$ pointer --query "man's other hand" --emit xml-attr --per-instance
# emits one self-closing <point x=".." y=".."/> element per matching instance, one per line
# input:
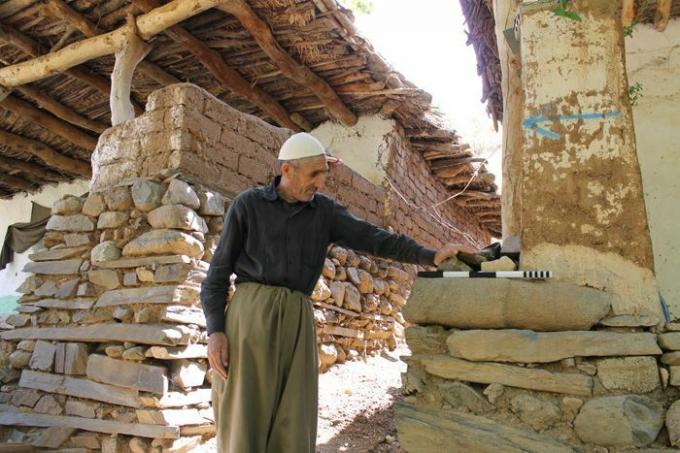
<point x="218" y="353"/>
<point x="449" y="251"/>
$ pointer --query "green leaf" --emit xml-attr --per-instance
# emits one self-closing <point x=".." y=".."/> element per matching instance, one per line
<point x="560" y="12"/>
<point x="573" y="16"/>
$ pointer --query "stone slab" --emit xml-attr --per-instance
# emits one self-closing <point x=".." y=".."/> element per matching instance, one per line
<point x="424" y="431"/>
<point x="57" y="254"/>
<point x="505" y="303"/>
<point x="79" y="387"/>
<point x="10" y="417"/>
<point x="512" y="376"/>
<point x="153" y="334"/>
<point x="123" y="373"/>
<point x="144" y="261"/>
<point x="526" y="346"/>
<point x="63" y="267"/>
<point x="170" y="294"/>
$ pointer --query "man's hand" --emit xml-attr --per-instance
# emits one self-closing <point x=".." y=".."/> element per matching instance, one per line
<point x="449" y="251"/>
<point x="218" y="353"/>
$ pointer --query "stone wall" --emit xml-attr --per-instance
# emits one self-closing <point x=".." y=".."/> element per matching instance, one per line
<point x="18" y="209"/>
<point x="110" y="337"/>
<point x="503" y="365"/>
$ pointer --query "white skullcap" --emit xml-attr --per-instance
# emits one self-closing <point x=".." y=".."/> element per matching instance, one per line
<point x="301" y="145"/>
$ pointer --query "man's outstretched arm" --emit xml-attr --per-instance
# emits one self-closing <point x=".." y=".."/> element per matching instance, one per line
<point x="350" y="231"/>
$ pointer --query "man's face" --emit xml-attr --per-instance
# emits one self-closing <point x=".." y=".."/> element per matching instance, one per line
<point x="306" y="177"/>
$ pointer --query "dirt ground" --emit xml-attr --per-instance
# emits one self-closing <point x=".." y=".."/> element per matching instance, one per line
<point x="355" y="405"/>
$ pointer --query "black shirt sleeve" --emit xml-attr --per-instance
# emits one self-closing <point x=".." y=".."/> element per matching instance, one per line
<point x="352" y="232"/>
<point x="215" y="287"/>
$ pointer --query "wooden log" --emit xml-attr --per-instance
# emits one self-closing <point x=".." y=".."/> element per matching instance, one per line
<point x="9" y="416"/>
<point x="662" y="14"/>
<point x="297" y="72"/>
<point x="128" y="374"/>
<point x="447" y="147"/>
<point x="454" y="162"/>
<point x="32" y="48"/>
<point x="14" y="182"/>
<point x="49" y="122"/>
<point x="227" y="75"/>
<point x="152" y="334"/>
<point x="36" y="171"/>
<point x="149" y="24"/>
<point x="12" y="7"/>
<point x="513" y="376"/>
<point x="62" y="10"/>
<point x="128" y="57"/>
<point x="61" y="111"/>
<point x="79" y="387"/>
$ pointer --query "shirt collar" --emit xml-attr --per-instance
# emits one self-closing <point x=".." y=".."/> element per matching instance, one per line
<point x="271" y="194"/>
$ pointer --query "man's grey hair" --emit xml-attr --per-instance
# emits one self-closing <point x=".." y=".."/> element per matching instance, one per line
<point x="295" y="162"/>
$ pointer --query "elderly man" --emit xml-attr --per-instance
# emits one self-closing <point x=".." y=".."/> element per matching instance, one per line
<point x="263" y="348"/>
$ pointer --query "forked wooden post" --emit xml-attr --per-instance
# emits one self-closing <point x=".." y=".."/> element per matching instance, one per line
<point x="128" y="57"/>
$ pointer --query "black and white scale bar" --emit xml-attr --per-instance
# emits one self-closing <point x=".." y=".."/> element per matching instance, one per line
<point x="478" y="274"/>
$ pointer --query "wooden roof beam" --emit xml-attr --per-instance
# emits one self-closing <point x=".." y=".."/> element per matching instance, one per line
<point x="45" y="153"/>
<point x="14" y="182"/>
<point x="49" y="122"/>
<point x="82" y="23"/>
<point x="35" y="171"/>
<point x="297" y="72"/>
<point x="228" y="76"/>
<point x="11" y="7"/>
<point x="61" y="111"/>
<point x="662" y="15"/>
<point x="149" y="24"/>
<point x="31" y="47"/>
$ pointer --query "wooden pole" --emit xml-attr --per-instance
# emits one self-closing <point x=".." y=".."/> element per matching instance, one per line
<point x="127" y="58"/>
<point x="228" y="76"/>
<point x="45" y="153"/>
<point x="49" y="122"/>
<point x="79" y="52"/>
<point x="61" y="111"/>
<point x="11" y="7"/>
<point x="33" y="170"/>
<point x="82" y="23"/>
<point x="297" y="72"/>
<point x="32" y="48"/>
<point x="16" y="183"/>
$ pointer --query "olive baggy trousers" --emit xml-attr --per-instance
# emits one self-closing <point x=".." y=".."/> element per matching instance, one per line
<point x="269" y="401"/>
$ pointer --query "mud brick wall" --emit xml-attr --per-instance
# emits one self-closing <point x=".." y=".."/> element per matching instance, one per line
<point x="188" y="131"/>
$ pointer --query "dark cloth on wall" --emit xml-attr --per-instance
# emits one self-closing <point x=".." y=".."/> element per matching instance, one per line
<point x="21" y="236"/>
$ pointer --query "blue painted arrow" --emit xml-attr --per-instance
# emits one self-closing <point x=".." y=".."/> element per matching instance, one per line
<point x="532" y="122"/>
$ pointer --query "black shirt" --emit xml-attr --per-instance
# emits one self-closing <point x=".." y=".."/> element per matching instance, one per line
<point x="268" y="240"/>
